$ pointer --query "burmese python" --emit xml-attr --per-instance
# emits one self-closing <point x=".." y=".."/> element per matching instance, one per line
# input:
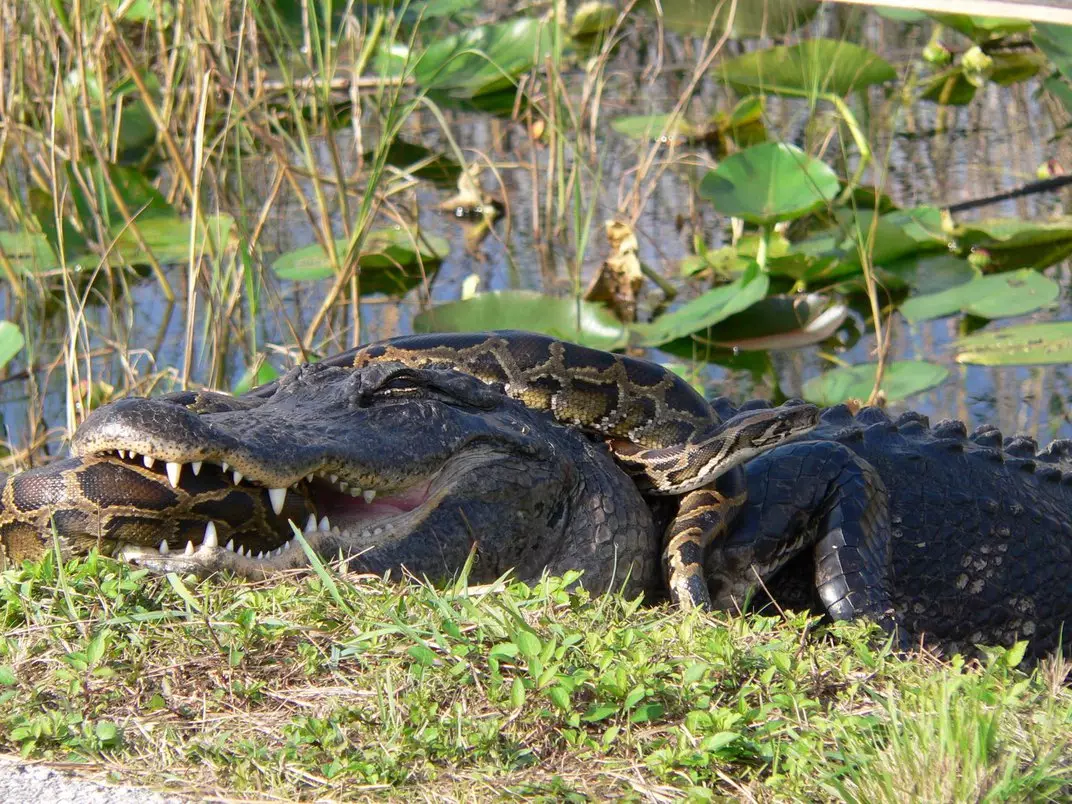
<point x="662" y="432"/>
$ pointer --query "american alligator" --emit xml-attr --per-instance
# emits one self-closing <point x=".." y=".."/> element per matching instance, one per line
<point x="496" y="445"/>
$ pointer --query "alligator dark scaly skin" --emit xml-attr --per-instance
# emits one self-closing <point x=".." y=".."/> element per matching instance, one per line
<point x="969" y="536"/>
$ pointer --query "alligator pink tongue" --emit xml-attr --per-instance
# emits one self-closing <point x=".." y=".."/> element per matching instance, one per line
<point x="346" y="510"/>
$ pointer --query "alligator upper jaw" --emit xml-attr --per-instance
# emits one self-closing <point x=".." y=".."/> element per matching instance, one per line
<point x="343" y="517"/>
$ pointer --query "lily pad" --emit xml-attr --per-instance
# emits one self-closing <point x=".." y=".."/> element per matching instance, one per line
<point x="900" y="379"/>
<point x="389" y="260"/>
<point x="571" y="319"/>
<point x="981" y="29"/>
<point x="927" y="274"/>
<point x="750" y="19"/>
<point x="167" y="237"/>
<point x="421" y="162"/>
<point x="825" y="66"/>
<point x="131" y="186"/>
<point x="1017" y="243"/>
<point x="11" y="341"/>
<point x="995" y="296"/>
<point x="484" y="59"/>
<point x="28" y="252"/>
<point x="705" y="310"/>
<point x="779" y="322"/>
<point x="1055" y="41"/>
<point x="648" y="127"/>
<point x="769" y="182"/>
<point x="1027" y="345"/>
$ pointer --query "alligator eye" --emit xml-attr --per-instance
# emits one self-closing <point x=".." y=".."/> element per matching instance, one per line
<point x="404" y="383"/>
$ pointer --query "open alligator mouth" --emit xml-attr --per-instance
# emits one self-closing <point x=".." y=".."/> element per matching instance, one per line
<point x="249" y="526"/>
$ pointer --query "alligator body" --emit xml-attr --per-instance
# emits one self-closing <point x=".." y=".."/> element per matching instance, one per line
<point x="972" y="533"/>
<point x="508" y="449"/>
<point x="436" y="465"/>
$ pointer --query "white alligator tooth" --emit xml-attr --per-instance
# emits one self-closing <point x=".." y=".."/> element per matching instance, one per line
<point x="324" y="524"/>
<point x="309" y="478"/>
<point x="229" y="545"/>
<point x="334" y="478"/>
<point x="122" y="453"/>
<point x="310" y="525"/>
<point x="260" y="556"/>
<point x="277" y="497"/>
<point x="237" y="477"/>
<point x="210" y="539"/>
<point x="224" y="467"/>
<point x="163" y="547"/>
<point x="174" y="471"/>
<point x="343" y="485"/>
<point x="189" y="551"/>
<point x="369" y="495"/>
<point x="355" y="492"/>
<point x="196" y="466"/>
<point x="242" y="552"/>
<point x="148" y="461"/>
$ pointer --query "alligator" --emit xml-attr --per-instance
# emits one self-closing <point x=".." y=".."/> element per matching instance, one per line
<point x="505" y="452"/>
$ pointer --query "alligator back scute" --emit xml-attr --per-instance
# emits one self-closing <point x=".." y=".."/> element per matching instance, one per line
<point x="950" y="429"/>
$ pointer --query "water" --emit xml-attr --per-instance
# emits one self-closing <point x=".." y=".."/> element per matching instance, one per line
<point x="929" y="156"/>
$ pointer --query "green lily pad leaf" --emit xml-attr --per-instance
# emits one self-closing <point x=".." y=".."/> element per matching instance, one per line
<point x="168" y="238"/>
<point x="265" y="373"/>
<point x="995" y="296"/>
<point x="131" y="186"/>
<point x="743" y="126"/>
<point x="62" y="237"/>
<point x="570" y="319"/>
<point x="750" y="19"/>
<point x="592" y="19"/>
<point x="421" y="162"/>
<point x="484" y="59"/>
<point x="389" y="260"/>
<point x="28" y="252"/>
<point x="931" y="273"/>
<point x="705" y="310"/>
<point x="949" y="87"/>
<point x="981" y="29"/>
<point x="1055" y="41"/>
<point x="11" y="341"/>
<point x="1060" y="89"/>
<point x="1027" y="345"/>
<point x="779" y="322"/>
<point x="648" y="127"/>
<point x="769" y="182"/>
<point x="1016" y="243"/>
<point x="956" y="86"/>
<point x="901" y="14"/>
<point x="826" y="66"/>
<point x="901" y="379"/>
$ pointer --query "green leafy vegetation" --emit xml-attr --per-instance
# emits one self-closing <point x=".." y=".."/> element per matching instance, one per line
<point x="333" y="686"/>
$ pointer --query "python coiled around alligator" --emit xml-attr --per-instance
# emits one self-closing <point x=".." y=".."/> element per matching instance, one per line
<point x="663" y="433"/>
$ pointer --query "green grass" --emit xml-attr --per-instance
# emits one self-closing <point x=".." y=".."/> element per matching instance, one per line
<point x="332" y="686"/>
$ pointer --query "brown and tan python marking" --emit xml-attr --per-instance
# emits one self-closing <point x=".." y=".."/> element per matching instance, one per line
<point x="100" y="503"/>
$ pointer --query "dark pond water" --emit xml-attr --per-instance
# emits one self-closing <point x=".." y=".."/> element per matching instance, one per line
<point x="996" y="143"/>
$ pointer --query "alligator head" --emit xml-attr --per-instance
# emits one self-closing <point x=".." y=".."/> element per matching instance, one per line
<point x="390" y="466"/>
